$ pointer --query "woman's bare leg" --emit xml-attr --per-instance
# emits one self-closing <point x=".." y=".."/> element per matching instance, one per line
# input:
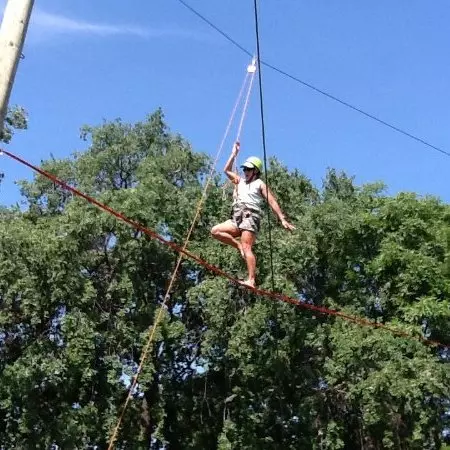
<point x="247" y="240"/>
<point x="227" y="233"/>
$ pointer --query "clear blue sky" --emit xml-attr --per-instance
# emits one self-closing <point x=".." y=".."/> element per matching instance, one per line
<point x="86" y="61"/>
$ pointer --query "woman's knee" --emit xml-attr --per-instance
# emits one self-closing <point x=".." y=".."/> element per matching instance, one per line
<point x="215" y="230"/>
<point x="247" y="248"/>
<point x="247" y="241"/>
<point x="225" y="228"/>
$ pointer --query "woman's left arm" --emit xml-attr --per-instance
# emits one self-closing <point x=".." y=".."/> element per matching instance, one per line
<point x="267" y="194"/>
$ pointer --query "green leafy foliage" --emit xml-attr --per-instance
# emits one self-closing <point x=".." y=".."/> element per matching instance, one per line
<point x="16" y="119"/>
<point x="79" y="291"/>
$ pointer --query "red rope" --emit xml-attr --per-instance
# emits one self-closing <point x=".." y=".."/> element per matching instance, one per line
<point x="261" y="292"/>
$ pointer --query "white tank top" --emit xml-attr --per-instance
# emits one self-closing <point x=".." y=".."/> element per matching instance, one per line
<point x="249" y="194"/>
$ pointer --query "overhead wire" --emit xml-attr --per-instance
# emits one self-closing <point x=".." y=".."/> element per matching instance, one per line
<point x="214" y="269"/>
<point x="152" y="330"/>
<point x="316" y="89"/>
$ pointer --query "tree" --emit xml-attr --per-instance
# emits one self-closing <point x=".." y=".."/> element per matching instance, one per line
<point x="16" y="119"/>
<point x="228" y="370"/>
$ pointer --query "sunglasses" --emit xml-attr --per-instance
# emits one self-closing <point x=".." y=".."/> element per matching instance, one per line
<point x="247" y="169"/>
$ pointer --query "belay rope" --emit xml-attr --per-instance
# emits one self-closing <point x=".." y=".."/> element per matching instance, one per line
<point x="248" y="82"/>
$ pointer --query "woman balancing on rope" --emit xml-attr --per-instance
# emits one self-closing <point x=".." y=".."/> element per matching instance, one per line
<point x="246" y="215"/>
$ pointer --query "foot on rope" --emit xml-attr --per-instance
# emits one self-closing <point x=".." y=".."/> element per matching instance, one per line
<point x="248" y="283"/>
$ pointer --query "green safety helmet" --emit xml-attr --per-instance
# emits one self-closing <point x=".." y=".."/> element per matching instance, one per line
<point x="253" y="163"/>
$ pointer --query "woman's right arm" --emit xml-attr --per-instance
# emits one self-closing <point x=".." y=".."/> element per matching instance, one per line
<point x="228" y="169"/>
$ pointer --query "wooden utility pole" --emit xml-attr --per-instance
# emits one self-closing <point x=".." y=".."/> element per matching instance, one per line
<point x="12" y="37"/>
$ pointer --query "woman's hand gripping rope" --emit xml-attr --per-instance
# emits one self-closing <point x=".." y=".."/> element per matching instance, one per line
<point x="236" y="148"/>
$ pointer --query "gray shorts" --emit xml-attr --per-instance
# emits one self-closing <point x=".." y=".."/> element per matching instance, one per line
<point x="245" y="219"/>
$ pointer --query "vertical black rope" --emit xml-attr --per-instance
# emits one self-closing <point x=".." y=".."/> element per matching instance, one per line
<point x="263" y="133"/>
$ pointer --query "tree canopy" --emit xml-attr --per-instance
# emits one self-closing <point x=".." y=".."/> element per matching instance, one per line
<point x="228" y="369"/>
